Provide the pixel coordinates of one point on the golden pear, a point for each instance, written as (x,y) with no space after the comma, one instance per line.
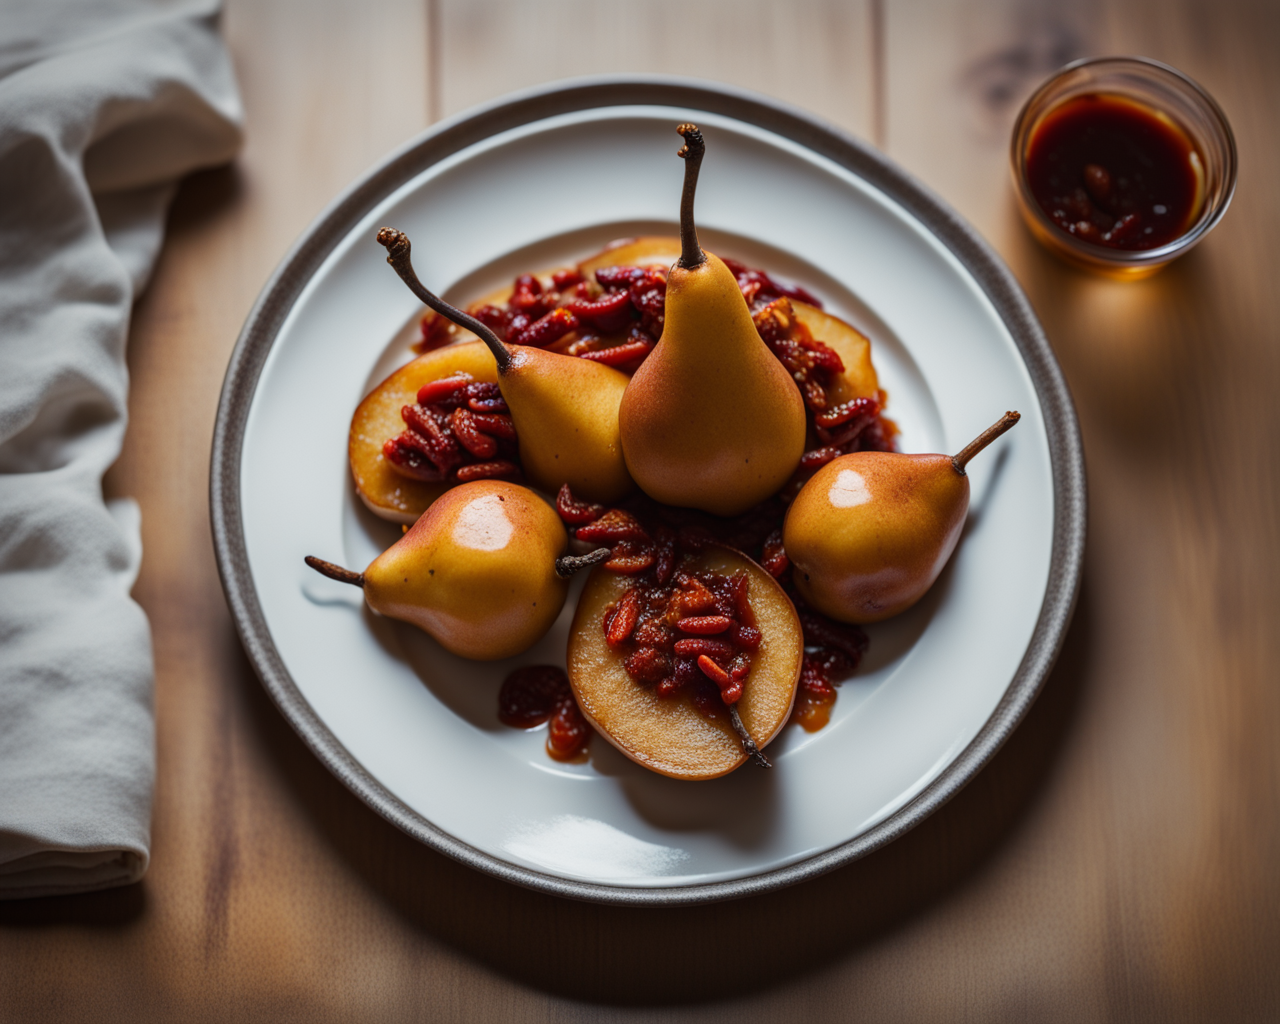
(711,419)
(565,409)
(870,532)
(481,571)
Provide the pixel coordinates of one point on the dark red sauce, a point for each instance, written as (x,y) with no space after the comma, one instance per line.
(1111,172)
(534,693)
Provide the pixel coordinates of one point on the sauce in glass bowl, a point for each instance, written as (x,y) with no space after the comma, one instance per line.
(1121,164)
(1115,173)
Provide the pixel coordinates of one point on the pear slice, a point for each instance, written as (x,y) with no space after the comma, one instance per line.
(859,379)
(385,492)
(669,735)
(647,251)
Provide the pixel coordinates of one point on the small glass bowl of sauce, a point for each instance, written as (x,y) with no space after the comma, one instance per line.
(1122,164)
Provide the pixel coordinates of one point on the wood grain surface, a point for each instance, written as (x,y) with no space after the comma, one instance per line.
(1116,861)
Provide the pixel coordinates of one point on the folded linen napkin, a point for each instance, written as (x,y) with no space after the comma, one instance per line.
(104,104)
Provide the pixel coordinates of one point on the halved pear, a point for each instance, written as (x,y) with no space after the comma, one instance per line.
(859,379)
(387,493)
(669,735)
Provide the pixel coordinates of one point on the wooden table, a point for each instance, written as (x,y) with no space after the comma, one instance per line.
(1118,860)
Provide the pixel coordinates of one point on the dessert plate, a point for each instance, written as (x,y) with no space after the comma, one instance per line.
(542,178)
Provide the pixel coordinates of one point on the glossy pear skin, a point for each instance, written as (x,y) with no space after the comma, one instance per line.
(669,735)
(711,419)
(565,412)
(871,531)
(476,571)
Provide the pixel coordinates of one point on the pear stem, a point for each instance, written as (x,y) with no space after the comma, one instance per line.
(691,254)
(567,565)
(397,245)
(335,572)
(982,440)
(748,744)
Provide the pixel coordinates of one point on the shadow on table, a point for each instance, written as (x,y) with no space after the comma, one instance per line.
(109,908)
(657,956)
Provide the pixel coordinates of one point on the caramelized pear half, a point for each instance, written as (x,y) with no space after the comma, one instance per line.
(387,493)
(669,735)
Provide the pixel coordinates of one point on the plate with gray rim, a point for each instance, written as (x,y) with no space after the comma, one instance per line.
(546,177)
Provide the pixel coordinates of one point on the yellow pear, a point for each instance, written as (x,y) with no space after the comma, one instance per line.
(481,571)
(870,532)
(565,409)
(711,419)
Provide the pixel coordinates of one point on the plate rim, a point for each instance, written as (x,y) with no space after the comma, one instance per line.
(568,96)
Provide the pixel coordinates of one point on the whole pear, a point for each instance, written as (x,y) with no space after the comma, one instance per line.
(711,419)
(565,409)
(870,532)
(480,570)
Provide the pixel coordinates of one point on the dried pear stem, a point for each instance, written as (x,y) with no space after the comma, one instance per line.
(748,744)
(567,565)
(397,245)
(691,254)
(982,440)
(335,572)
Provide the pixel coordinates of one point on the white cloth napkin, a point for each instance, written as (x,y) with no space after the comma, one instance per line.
(104,104)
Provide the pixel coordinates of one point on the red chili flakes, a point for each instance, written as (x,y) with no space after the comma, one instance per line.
(773,556)
(612,527)
(575,512)
(447,439)
(617,319)
(684,617)
(814,698)
(704,624)
(535,693)
(833,651)
(569,731)
(759,288)
(671,650)
(630,353)
(611,313)
(543,331)
(622,619)
(811,364)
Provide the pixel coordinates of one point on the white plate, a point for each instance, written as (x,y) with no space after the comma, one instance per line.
(546,178)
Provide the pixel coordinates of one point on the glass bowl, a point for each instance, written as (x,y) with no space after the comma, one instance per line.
(1167,93)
